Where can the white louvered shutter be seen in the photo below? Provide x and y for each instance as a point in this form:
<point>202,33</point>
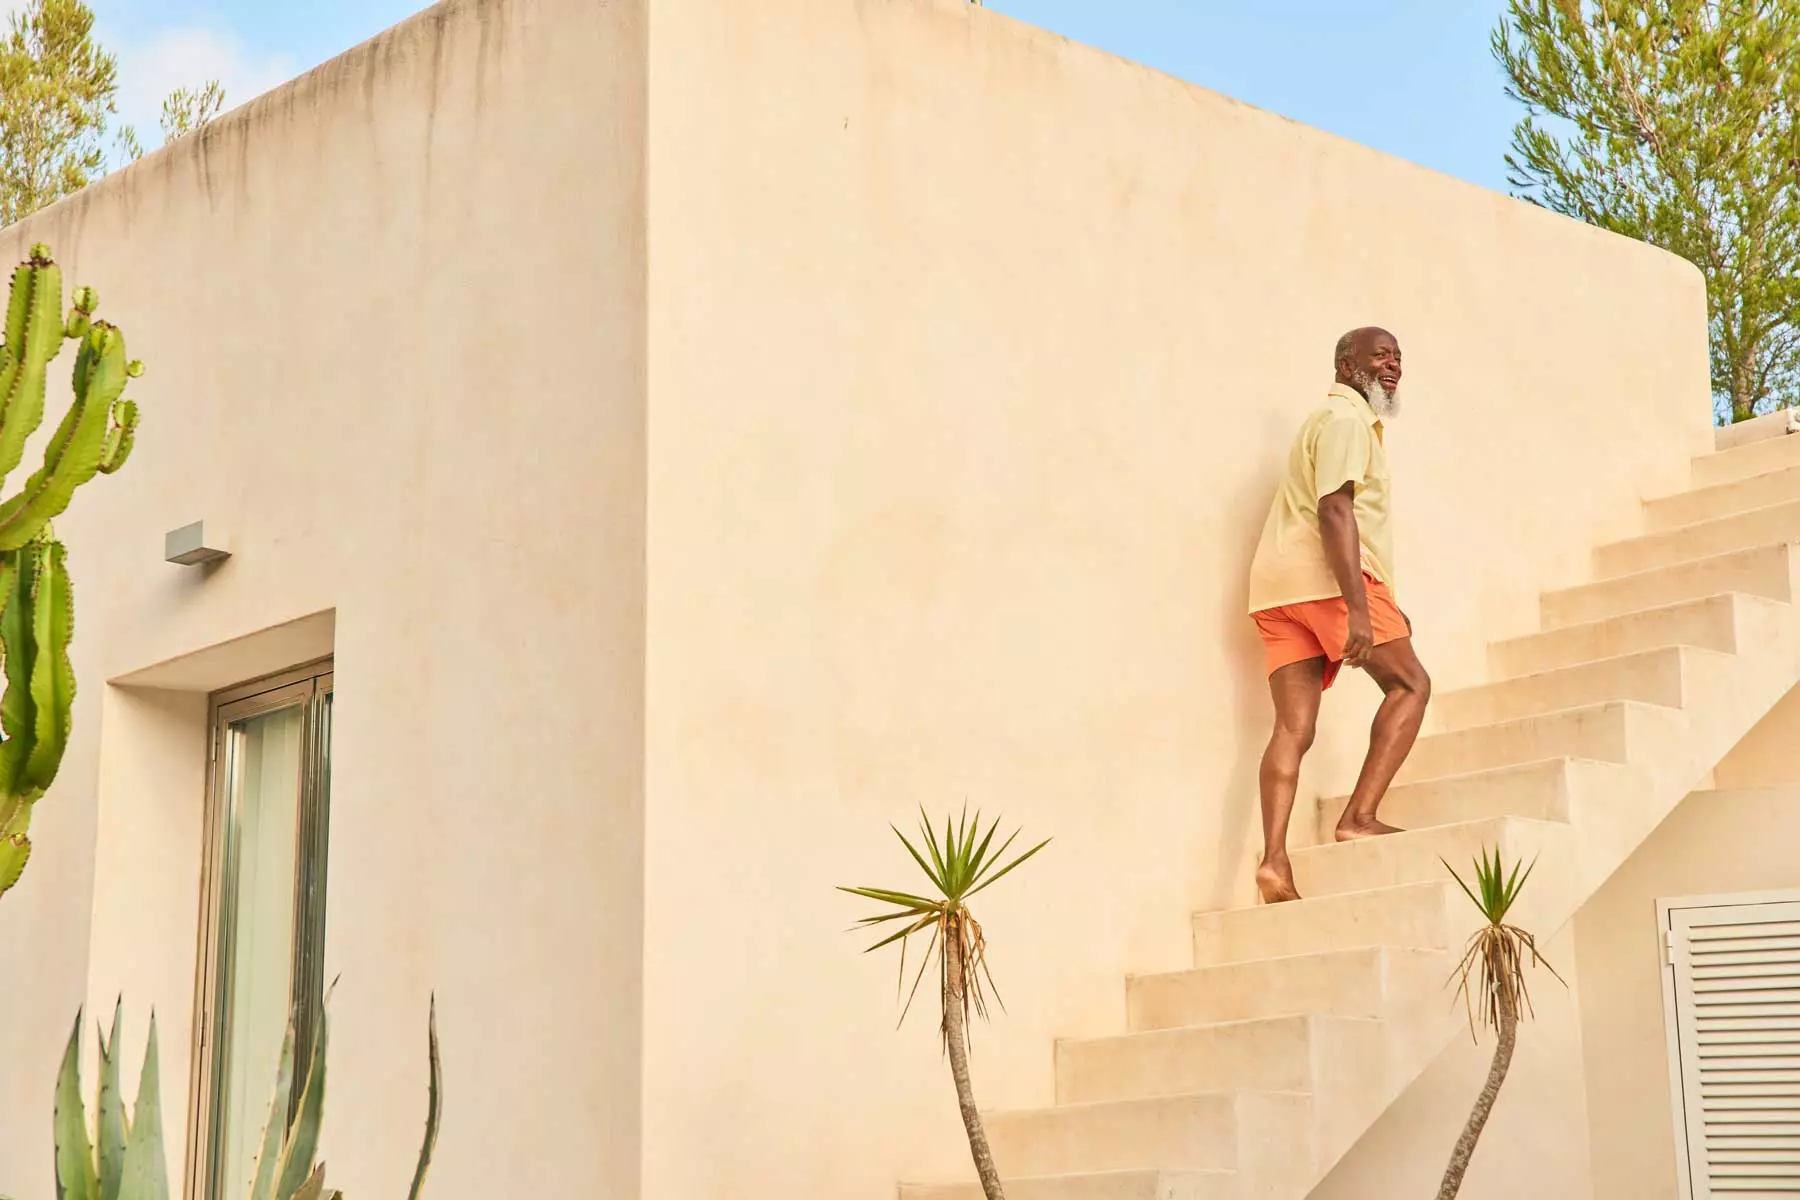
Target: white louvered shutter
<point>1736,993</point>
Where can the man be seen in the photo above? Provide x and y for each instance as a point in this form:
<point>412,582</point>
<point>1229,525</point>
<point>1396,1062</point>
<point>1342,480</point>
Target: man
<point>1321,596</point>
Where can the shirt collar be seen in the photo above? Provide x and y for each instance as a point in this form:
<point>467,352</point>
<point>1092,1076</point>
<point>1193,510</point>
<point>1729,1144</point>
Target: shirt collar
<point>1357,401</point>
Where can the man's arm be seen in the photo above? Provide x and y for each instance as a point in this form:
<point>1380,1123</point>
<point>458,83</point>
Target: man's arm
<point>1343,552</point>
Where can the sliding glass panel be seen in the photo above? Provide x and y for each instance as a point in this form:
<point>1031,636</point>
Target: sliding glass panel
<point>264,757</point>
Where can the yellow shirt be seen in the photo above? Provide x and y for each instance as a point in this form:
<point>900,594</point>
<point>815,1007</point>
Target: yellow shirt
<point>1339,443</point>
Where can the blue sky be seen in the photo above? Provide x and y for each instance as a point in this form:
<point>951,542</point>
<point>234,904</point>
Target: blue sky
<point>1412,77</point>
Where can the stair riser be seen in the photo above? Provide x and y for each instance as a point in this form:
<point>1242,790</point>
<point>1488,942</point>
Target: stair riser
<point>1419,856</point>
<point>1414,918</point>
<point>1654,678</point>
<point>1274,1055</point>
<point>1757,458</point>
<point>1745,531</point>
<point>1538,791</point>
<point>1138,1185</point>
<point>1347,983</point>
<point>1609,733</point>
<point>1768,571</point>
<point>1708,624</point>
<point>1177,1133</point>
<point>1709,504</point>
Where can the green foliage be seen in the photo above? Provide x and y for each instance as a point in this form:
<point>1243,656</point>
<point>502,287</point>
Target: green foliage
<point>1674,121</point>
<point>960,866</point>
<point>57,94</point>
<point>123,1160</point>
<point>1492,969</point>
<point>186,110</point>
<point>37,603</point>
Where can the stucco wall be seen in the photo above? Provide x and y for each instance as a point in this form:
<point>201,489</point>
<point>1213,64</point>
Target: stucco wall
<point>973,354</point>
<point>394,320</point>
<point>1714,843</point>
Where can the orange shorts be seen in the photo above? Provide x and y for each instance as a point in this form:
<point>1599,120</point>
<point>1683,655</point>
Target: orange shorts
<point>1317,628</point>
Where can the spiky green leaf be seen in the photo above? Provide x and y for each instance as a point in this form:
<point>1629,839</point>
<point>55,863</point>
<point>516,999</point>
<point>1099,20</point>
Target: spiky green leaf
<point>76,1177</point>
<point>146,1173</point>
<point>299,1153</point>
<point>111,1128</point>
<point>434,1107</point>
<point>268,1154</point>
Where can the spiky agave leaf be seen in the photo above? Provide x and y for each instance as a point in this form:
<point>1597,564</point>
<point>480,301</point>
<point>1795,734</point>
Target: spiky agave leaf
<point>76,1178</point>
<point>112,1127</point>
<point>300,1150</point>
<point>960,864</point>
<point>275,1129</point>
<point>146,1174</point>
<point>434,1107</point>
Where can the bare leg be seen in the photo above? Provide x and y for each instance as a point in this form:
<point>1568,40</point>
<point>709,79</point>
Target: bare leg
<point>1398,672</point>
<point>1296,690</point>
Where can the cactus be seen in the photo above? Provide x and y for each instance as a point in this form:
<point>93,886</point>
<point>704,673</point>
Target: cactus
<point>94,437</point>
<point>123,1160</point>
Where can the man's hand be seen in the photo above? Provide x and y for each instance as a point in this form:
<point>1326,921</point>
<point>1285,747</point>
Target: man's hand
<point>1360,639</point>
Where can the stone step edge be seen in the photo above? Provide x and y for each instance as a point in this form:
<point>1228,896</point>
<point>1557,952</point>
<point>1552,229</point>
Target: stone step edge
<point>1226,1095</point>
<point>1638,576</point>
<point>1132,977</point>
<point>913,1186</point>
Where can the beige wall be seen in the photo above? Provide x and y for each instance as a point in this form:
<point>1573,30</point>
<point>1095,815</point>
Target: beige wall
<point>899,435</point>
<point>394,321</point>
<point>973,354</point>
<point>1715,843</point>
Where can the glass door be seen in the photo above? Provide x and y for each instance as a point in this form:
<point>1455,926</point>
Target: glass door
<point>264,924</point>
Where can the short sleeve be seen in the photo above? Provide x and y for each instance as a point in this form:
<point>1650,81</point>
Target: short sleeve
<point>1341,455</point>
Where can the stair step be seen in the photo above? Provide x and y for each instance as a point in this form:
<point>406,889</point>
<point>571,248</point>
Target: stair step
<point>1742,531</point>
<point>1649,676</point>
<point>1767,571</point>
<point>1539,791</point>
<point>1710,624</point>
<point>1100,1185</point>
<point>1420,916</point>
<point>1613,731</point>
<point>1418,855</point>
<point>1362,982</point>
<point>1723,500</point>
<point>1308,1053</point>
<point>1743,462</point>
<point>1202,1132</point>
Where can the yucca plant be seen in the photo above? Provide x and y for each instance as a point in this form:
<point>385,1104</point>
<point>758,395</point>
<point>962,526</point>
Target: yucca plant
<point>962,864</point>
<point>1492,975</point>
<point>123,1159</point>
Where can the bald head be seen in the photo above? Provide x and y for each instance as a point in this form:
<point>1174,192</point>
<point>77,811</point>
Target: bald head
<point>1368,359</point>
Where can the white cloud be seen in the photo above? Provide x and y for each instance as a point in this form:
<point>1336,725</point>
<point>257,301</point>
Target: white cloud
<point>152,67</point>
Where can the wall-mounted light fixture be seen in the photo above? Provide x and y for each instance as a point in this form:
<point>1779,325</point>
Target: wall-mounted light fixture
<point>194,544</point>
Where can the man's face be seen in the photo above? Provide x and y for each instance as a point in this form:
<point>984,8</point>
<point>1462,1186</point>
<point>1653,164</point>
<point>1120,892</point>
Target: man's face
<point>1376,359</point>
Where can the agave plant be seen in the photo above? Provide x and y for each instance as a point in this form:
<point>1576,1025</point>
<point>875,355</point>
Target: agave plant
<point>124,1159</point>
<point>1492,974</point>
<point>960,865</point>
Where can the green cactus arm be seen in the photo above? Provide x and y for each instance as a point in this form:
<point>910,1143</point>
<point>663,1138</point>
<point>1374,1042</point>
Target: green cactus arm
<point>146,1173</point>
<point>15,852</point>
<point>268,1155</point>
<point>302,1148</point>
<point>34,333</point>
<point>434,1107</point>
<point>52,675</point>
<point>111,1128</point>
<point>18,722</point>
<point>71,460</point>
<point>121,437</point>
<point>75,1175</point>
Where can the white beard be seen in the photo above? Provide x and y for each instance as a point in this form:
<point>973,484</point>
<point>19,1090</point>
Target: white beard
<point>1385,403</point>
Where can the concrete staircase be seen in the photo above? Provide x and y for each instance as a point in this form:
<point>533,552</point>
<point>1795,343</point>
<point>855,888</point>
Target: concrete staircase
<point>1251,1074</point>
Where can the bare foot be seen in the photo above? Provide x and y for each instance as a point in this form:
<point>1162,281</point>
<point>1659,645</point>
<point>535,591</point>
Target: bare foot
<point>1350,830</point>
<point>1275,880</point>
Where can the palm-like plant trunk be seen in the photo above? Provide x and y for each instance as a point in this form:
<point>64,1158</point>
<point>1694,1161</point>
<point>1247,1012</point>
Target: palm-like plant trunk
<point>1508,1028</point>
<point>956,1038</point>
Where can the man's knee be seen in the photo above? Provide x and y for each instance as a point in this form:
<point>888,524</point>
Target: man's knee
<point>1296,731</point>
